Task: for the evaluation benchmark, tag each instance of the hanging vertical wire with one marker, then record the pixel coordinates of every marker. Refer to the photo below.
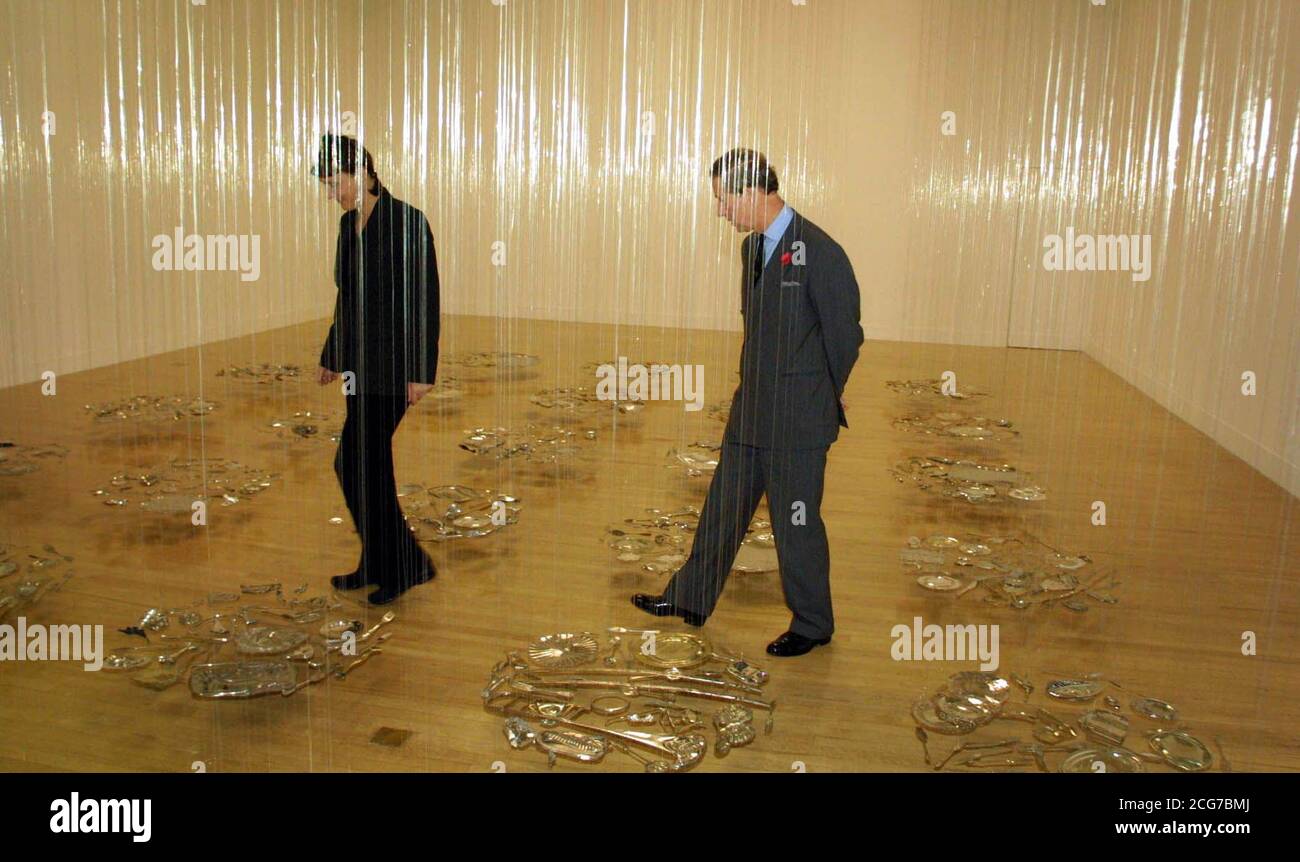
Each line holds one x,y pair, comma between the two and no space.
1174,120
579,135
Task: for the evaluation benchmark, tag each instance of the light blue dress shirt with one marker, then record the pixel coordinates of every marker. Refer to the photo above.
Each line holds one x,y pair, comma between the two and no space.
775,231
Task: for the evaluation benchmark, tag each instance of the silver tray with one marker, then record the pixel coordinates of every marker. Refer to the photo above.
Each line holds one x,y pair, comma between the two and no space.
268,640
242,679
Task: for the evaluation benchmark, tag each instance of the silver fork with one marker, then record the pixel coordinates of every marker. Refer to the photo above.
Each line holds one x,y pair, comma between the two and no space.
342,672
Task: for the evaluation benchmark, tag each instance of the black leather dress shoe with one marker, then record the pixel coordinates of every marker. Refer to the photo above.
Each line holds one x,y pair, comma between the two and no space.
791,644
658,606
390,592
386,594
351,581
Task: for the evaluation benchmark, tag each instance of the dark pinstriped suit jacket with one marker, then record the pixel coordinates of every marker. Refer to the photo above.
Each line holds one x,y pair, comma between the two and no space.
802,335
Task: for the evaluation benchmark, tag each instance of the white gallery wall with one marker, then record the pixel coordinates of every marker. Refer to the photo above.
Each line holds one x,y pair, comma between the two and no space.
560,149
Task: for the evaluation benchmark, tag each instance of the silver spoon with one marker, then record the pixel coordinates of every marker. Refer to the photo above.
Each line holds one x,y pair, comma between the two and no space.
171,659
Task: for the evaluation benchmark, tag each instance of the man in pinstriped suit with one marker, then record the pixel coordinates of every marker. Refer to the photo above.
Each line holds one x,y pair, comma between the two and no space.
801,309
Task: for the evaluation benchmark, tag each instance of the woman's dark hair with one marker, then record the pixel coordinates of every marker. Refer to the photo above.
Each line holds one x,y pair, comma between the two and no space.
740,169
338,154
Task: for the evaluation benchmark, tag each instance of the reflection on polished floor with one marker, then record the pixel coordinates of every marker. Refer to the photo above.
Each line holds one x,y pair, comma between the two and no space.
1199,548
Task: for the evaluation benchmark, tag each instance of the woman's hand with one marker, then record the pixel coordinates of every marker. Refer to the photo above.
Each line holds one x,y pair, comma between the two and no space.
324,375
416,391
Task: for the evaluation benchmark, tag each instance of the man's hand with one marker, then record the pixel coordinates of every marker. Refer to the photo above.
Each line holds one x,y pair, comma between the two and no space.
416,391
844,406
324,375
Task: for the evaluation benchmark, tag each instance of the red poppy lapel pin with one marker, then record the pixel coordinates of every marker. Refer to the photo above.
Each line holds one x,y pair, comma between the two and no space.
786,259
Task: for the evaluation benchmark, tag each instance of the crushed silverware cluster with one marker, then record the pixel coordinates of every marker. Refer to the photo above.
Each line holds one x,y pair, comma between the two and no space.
307,425
583,401
971,481
178,484
32,576
661,541
955,423
698,459
944,389
570,697
151,408
261,373
1016,570
249,649
446,512
1095,740
531,443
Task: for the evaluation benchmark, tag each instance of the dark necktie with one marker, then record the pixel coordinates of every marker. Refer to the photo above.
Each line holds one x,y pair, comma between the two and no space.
758,258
